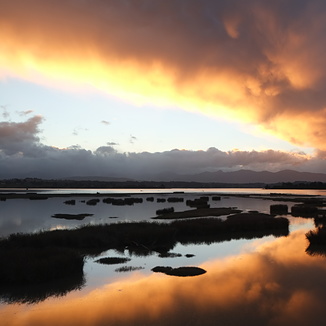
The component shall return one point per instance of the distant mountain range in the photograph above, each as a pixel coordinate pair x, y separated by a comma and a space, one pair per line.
234, 177
97, 178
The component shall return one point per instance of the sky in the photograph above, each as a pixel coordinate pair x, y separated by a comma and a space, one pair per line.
134, 88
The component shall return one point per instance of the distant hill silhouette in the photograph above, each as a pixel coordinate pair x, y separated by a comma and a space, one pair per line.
244, 176
218, 179
97, 178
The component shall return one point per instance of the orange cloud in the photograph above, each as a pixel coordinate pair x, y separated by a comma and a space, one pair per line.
256, 61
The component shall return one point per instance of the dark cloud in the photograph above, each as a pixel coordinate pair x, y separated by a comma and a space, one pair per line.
132, 139
24, 113
5, 113
22, 155
20, 137
107, 123
105, 150
78, 130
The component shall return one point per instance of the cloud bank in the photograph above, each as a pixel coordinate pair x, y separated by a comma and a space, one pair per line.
257, 61
23, 155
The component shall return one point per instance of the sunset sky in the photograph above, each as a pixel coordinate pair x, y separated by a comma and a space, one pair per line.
132, 88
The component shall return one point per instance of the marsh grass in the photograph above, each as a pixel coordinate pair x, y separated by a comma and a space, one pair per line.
216, 198
38, 197
317, 237
316, 250
37, 292
71, 216
200, 212
179, 271
92, 202
128, 269
201, 202
278, 209
175, 199
70, 202
52, 255
164, 211
238, 226
169, 255
123, 201
112, 260
304, 210
26, 265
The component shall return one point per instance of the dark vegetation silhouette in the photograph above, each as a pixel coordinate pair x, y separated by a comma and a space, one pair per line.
278, 209
179, 271
122, 201
199, 212
216, 198
175, 200
60, 253
317, 237
164, 211
32, 293
128, 269
92, 202
131, 184
305, 210
38, 197
70, 202
297, 185
201, 202
71, 216
169, 255
237, 226
31, 274
317, 241
112, 260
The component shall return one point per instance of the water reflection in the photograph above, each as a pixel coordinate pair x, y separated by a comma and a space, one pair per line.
278, 284
24, 215
36, 293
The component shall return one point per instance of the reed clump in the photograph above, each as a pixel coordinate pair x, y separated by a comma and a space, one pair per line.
245, 225
317, 242
25, 265
122, 201
128, 269
112, 260
317, 237
201, 202
278, 209
304, 210
179, 271
175, 200
71, 216
165, 211
59, 253
92, 202
70, 202
199, 212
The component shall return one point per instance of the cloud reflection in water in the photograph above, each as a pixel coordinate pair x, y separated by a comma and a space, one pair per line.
278, 284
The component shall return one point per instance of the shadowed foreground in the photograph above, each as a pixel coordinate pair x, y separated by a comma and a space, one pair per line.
59, 254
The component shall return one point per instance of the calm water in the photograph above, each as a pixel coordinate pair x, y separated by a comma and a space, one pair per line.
267, 281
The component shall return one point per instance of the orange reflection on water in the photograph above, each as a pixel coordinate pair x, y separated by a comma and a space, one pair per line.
278, 284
